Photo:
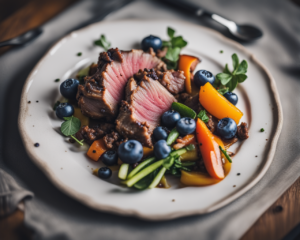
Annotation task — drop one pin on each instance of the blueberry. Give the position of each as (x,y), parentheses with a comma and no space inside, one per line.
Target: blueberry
(104,173)
(186,126)
(231,97)
(109,158)
(226,128)
(202,76)
(170,118)
(161,149)
(151,41)
(159,133)
(68,88)
(64,110)
(130,152)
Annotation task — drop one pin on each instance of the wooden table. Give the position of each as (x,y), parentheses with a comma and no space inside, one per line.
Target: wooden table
(18,16)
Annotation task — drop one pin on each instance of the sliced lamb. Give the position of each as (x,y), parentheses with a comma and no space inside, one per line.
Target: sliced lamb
(170,79)
(103,92)
(146,101)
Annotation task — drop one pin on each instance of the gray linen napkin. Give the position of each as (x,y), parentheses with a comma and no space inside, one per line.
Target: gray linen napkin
(11,194)
(53,215)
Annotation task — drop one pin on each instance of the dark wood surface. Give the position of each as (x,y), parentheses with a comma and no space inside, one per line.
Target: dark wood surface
(18,16)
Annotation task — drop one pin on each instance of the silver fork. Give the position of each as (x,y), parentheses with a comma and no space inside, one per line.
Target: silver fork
(23,38)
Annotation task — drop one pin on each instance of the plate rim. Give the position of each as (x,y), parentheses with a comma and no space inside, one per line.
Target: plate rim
(129,212)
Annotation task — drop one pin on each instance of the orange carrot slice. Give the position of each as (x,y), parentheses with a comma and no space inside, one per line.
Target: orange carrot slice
(209,147)
(186,63)
(96,149)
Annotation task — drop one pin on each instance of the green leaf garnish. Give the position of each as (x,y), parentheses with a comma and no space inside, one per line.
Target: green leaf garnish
(102,42)
(183,110)
(202,115)
(171,32)
(70,126)
(225,154)
(235,61)
(262,130)
(178,42)
(57,80)
(224,78)
(173,54)
(230,80)
(190,147)
(174,45)
(241,78)
(222,91)
(242,69)
(79,54)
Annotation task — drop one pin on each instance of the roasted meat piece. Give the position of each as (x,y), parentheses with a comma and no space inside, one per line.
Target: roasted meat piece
(90,134)
(172,80)
(146,101)
(242,131)
(101,94)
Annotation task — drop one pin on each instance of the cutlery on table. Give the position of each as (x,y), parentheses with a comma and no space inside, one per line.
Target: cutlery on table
(23,38)
(243,32)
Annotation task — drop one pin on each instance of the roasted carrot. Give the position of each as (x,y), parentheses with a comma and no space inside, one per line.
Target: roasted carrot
(96,149)
(209,147)
(185,141)
(186,63)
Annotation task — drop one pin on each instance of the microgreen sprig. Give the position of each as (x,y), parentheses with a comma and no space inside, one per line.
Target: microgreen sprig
(227,80)
(202,115)
(102,42)
(225,154)
(174,45)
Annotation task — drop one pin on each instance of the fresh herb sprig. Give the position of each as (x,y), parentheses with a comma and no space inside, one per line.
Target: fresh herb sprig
(202,115)
(227,80)
(174,45)
(70,126)
(102,42)
(225,154)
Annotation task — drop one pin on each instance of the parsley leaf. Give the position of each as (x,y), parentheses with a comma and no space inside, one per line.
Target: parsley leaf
(202,115)
(222,91)
(224,77)
(173,54)
(174,45)
(70,126)
(102,42)
(230,79)
(235,61)
(171,32)
(178,42)
(242,69)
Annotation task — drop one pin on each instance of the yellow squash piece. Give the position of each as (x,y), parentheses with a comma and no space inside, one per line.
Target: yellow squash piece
(147,151)
(83,119)
(217,105)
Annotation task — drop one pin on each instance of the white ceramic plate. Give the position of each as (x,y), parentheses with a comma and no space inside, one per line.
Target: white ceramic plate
(71,171)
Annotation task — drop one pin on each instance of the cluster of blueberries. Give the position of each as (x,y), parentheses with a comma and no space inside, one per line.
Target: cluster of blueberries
(68,89)
(170,120)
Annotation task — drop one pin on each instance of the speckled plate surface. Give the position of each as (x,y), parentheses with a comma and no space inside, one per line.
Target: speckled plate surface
(70,170)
